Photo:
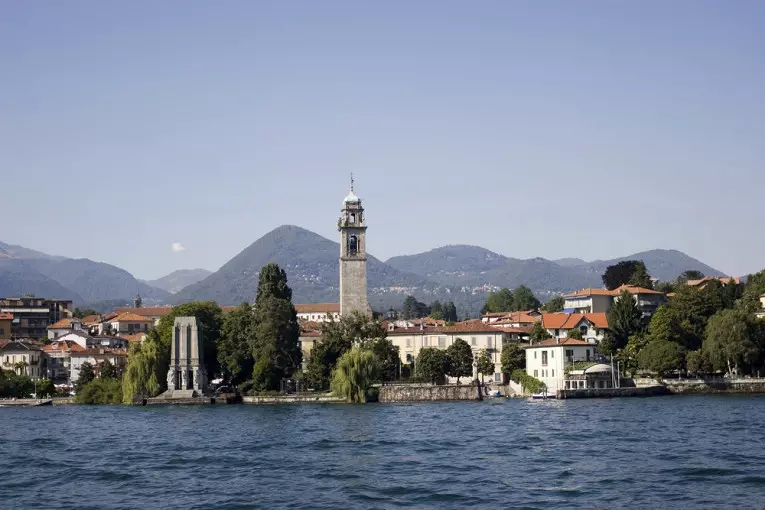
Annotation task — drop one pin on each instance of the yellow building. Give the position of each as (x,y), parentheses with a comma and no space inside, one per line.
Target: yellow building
(6,322)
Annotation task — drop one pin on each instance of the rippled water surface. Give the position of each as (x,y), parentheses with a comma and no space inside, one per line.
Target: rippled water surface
(670,452)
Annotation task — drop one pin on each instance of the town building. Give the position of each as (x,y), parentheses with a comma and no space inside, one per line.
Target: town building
(6,324)
(153,313)
(318,312)
(129,323)
(66,357)
(23,358)
(724,280)
(592,326)
(567,363)
(32,315)
(353,256)
(310,333)
(601,300)
(477,334)
(761,312)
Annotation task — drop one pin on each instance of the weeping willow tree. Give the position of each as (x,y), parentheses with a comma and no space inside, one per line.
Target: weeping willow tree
(355,372)
(142,374)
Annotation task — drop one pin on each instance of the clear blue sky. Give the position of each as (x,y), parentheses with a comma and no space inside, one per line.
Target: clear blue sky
(552,129)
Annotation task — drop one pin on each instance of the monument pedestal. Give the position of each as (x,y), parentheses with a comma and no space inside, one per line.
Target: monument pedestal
(186,377)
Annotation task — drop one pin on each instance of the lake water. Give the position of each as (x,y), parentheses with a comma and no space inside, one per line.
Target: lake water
(668,452)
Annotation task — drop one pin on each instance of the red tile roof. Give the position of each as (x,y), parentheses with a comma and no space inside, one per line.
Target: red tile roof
(64,346)
(158,311)
(62,324)
(571,320)
(632,289)
(4,316)
(471,326)
(130,317)
(318,308)
(725,280)
(590,292)
(91,319)
(137,337)
(552,342)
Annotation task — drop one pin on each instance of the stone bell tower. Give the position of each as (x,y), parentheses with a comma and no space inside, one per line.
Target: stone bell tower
(353,256)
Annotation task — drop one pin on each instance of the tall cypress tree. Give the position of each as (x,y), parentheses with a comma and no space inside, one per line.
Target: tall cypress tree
(624,319)
(276,333)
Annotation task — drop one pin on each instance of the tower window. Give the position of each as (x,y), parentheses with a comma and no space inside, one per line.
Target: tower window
(352,219)
(353,245)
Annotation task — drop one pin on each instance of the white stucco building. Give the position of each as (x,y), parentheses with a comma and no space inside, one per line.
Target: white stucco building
(318,312)
(592,326)
(21,358)
(566,364)
(761,312)
(601,300)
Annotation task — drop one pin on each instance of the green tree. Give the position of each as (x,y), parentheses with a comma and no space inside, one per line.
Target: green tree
(485,364)
(538,333)
(662,357)
(698,362)
(355,373)
(275,346)
(337,337)
(575,334)
(436,310)
(524,299)
(690,274)
(460,359)
(734,341)
(665,287)
(45,388)
(235,345)
(450,312)
(624,319)
(640,277)
(272,282)
(755,287)
(500,301)
(683,318)
(512,358)
(209,320)
(84,312)
(145,369)
(554,305)
(13,385)
(100,391)
(630,354)
(413,309)
(108,371)
(622,272)
(431,364)
(87,374)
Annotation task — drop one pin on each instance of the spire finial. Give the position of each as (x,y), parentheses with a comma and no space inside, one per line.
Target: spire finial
(351,182)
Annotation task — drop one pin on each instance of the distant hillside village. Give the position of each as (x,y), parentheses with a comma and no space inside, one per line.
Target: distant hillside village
(695,324)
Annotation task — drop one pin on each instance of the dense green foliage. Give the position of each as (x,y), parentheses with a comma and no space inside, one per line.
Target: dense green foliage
(100,391)
(45,388)
(84,312)
(460,359)
(698,363)
(662,357)
(108,370)
(690,274)
(450,312)
(512,358)
(338,337)
(87,374)
(554,305)
(631,272)
(527,382)
(436,310)
(485,365)
(13,385)
(505,300)
(432,365)
(624,319)
(538,333)
(735,341)
(413,309)
(354,374)
(235,346)
(146,370)
(575,334)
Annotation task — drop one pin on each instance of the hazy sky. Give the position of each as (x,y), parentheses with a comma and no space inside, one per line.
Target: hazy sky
(553,129)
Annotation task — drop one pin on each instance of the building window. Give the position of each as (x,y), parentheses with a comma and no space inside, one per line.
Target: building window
(557,332)
(535,354)
(424,341)
(442,342)
(473,341)
(408,358)
(544,358)
(583,330)
(552,373)
(408,342)
(497,377)
(489,342)
(535,373)
(552,354)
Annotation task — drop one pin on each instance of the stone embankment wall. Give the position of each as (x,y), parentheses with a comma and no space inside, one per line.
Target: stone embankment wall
(716,385)
(642,391)
(293,399)
(427,392)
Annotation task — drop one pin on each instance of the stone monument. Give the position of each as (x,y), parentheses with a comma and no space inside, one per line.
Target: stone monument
(187,377)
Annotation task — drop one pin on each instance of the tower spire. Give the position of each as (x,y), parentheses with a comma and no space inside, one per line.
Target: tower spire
(351,182)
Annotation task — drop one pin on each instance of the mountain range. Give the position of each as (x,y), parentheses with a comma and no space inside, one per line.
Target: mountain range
(459,273)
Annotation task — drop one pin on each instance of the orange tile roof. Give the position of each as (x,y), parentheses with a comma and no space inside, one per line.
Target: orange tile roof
(91,319)
(137,337)
(6,316)
(471,326)
(725,280)
(571,320)
(64,346)
(632,289)
(130,317)
(62,324)
(157,311)
(552,342)
(495,314)
(590,292)
(318,308)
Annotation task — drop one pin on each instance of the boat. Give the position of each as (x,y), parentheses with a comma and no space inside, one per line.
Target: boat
(542,396)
